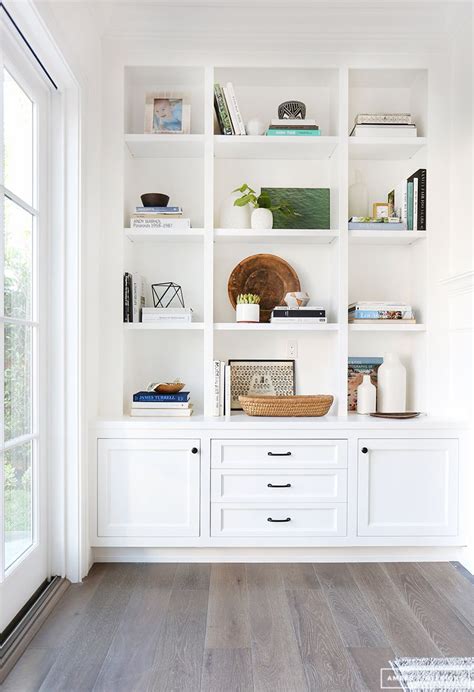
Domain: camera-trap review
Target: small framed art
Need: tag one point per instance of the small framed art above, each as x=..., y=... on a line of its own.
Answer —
x=261, y=378
x=380, y=210
x=166, y=114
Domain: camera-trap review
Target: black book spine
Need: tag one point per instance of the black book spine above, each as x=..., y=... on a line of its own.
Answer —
x=299, y=313
x=126, y=298
x=421, y=216
x=130, y=300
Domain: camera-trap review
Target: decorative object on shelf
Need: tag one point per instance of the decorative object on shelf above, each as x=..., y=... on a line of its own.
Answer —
x=358, y=196
x=261, y=378
x=366, y=396
x=307, y=314
x=166, y=114
x=164, y=294
x=295, y=406
x=397, y=416
x=292, y=109
x=255, y=127
x=262, y=215
x=368, y=223
x=380, y=210
x=267, y=276
x=154, y=199
x=356, y=369
x=228, y=114
x=392, y=384
x=296, y=299
x=293, y=127
x=234, y=216
x=167, y=315
x=167, y=387
x=310, y=207
x=383, y=125
x=368, y=312
x=247, y=308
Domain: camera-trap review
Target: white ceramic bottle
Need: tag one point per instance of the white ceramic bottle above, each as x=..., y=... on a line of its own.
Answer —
x=366, y=396
x=391, y=385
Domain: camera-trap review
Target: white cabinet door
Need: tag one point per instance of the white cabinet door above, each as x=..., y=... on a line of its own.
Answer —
x=408, y=487
x=148, y=487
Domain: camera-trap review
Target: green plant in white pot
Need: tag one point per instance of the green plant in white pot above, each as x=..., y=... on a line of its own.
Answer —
x=247, y=308
x=262, y=214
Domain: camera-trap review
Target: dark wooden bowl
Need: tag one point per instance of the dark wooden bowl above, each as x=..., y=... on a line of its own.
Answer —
x=155, y=199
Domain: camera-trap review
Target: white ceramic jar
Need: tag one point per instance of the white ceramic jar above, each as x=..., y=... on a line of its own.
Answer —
x=247, y=312
x=366, y=396
x=391, y=385
x=261, y=219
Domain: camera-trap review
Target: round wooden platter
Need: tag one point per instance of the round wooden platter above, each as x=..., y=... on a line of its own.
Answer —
x=268, y=276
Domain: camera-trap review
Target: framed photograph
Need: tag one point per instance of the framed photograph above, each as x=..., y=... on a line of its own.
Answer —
x=380, y=210
x=166, y=114
x=261, y=378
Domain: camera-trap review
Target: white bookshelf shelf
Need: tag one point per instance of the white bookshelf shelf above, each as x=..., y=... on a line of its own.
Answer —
x=262, y=147
x=165, y=235
x=385, y=148
x=386, y=237
x=313, y=236
x=268, y=327
x=165, y=146
x=167, y=326
x=385, y=327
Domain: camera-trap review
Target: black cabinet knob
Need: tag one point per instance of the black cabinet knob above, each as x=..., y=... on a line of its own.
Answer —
x=364, y=450
x=194, y=450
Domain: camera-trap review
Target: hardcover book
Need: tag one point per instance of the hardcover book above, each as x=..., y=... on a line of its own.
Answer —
x=310, y=203
x=154, y=396
x=357, y=368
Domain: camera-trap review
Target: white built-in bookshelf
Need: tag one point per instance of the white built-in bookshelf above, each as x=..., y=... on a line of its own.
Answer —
x=334, y=265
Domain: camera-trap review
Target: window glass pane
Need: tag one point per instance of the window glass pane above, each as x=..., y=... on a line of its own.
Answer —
x=17, y=380
x=18, y=494
x=18, y=251
x=18, y=128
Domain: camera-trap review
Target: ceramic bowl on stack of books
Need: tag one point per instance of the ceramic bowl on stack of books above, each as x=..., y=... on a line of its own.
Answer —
x=165, y=399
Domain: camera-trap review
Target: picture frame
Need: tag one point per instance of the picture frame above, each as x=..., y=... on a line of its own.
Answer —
x=380, y=210
x=167, y=113
x=260, y=377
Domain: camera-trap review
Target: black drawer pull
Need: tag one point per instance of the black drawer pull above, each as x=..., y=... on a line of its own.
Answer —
x=364, y=450
x=279, y=520
x=194, y=450
x=271, y=485
x=279, y=454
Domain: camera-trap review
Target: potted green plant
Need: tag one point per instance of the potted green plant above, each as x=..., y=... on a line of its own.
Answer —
x=247, y=308
x=262, y=214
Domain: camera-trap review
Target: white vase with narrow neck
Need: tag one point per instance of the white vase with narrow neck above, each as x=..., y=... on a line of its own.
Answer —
x=391, y=385
x=366, y=396
x=358, y=197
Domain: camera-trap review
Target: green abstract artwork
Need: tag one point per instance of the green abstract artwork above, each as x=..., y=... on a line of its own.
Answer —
x=310, y=203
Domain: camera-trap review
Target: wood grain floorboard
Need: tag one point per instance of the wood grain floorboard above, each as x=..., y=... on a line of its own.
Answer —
x=443, y=626
x=298, y=576
x=455, y=588
x=227, y=670
x=79, y=662
x=326, y=663
x=30, y=671
x=370, y=661
x=132, y=650
x=404, y=633
x=276, y=660
x=356, y=622
x=192, y=576
x=228, y=623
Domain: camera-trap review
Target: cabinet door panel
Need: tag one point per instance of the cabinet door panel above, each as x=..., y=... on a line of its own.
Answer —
x=408, y=488
x=148, y=488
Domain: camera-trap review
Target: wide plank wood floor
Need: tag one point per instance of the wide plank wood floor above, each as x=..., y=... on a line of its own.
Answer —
x=238, y=627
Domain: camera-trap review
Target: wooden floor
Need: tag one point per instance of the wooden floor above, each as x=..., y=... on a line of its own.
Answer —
x=227, y=627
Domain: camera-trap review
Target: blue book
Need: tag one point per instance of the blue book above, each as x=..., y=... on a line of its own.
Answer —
x=154, y=396
x=158, y=210
x=410, y=205
x=376, y=226
x=379, y=314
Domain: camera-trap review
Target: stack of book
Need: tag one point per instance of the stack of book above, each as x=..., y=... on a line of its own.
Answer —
x=370, y=223
x=368, y=312
x=293, y=127
x=146, y=403
x=221, y=390
x=133, y=297
x=228, y=114
x=383, y=125
x=166, y=315
x=153, y=218
x=310, y=314
x=408, y=201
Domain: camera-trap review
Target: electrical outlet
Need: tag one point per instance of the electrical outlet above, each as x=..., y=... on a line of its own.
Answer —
x=292, y=349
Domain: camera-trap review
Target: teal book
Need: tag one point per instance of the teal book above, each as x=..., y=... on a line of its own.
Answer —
x=293, y=133
x=410, y=205
x=312, y=204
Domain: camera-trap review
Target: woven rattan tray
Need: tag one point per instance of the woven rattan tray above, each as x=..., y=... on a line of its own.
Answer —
x=317, y=405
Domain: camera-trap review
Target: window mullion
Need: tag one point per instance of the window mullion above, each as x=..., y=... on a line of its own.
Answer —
x=21, y=203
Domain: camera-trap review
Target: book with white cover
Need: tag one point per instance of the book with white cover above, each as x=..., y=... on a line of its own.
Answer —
x=235, y=105
x=227, y=386
x=162, y=413
x=167, y=311
x=154, y=224
x=384, y=131
x=232, y=113
x=383, y=118
x=293, y=121
x=299, y=320
x=161, y=404
x=216, y=388
x=168, y=318
x=138, y=296
x=221, y=387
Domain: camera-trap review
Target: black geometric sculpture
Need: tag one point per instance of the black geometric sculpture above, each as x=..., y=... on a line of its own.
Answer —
x=166, y=293
x=292, y=109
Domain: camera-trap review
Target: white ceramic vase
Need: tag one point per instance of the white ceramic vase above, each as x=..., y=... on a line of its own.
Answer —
x=247, y=312
x=262, y=219
x=232, y=216
x=296, y=299
x=366, y=396
x=391, y=385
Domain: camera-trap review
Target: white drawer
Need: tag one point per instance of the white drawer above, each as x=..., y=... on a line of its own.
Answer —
x=282, y=519
x=279, y=453
x=242, y=485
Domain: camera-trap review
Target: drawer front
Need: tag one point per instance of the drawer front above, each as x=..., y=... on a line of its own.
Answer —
x=279, y=454
x=283, y=519
x=241, y=485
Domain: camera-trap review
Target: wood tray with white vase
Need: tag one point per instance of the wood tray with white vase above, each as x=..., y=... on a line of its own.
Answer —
x=295, y=406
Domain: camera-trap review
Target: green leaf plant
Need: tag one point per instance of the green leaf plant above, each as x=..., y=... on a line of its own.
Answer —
x=248, y=299
x=261, y=201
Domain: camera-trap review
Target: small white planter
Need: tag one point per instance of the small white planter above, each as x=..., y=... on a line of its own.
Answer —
x=366, y=396
x=262, y=219
x=247, y=312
